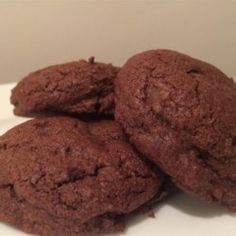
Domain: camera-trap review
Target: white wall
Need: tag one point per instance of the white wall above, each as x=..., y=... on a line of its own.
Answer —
x=37, y=33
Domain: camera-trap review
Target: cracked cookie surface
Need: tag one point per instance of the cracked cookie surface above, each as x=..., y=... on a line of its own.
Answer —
x=75, y=87
x=61, y=176
x=181, y=113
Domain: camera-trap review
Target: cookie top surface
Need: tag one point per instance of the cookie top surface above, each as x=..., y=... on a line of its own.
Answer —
x=75, y=87
x=75, y=170
x=181, y=113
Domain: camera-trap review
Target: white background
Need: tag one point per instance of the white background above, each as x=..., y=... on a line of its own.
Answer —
x=35, y=34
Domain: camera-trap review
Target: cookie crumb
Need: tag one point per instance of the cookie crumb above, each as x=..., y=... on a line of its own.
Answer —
x=152, y=215
x=91, y=60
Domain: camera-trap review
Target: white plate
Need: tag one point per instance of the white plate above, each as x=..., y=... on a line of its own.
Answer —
x=178, y=216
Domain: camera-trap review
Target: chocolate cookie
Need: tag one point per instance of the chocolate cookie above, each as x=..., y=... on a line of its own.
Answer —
x=181, y=113
x=75, y=87
x=61, y=176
